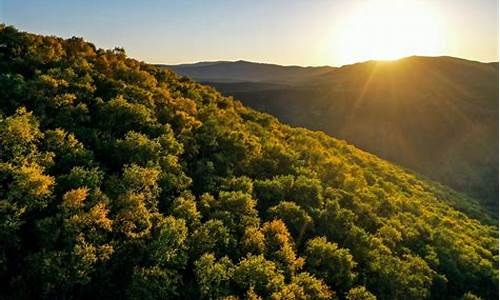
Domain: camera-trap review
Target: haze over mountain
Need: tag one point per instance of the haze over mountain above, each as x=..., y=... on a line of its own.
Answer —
x=435, y=115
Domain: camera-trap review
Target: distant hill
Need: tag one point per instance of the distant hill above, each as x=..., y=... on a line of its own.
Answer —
x=436, y=115
x=244, y=71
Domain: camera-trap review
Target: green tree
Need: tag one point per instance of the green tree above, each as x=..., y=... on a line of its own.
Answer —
x=212, y=236
x=331, y=263
x=296, y=219
x=360, y=293
x=214, y=276
x=260, y=274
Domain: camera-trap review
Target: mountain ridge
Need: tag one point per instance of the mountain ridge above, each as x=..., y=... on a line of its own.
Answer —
x=210, y=64
x=257, y=72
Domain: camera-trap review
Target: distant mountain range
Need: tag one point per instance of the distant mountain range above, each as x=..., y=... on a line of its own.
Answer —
x=244, y=71
x=436, y=115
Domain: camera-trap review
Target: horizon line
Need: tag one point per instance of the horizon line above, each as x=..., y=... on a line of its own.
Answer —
x=318, y=66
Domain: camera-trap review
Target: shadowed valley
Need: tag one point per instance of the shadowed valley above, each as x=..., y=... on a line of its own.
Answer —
x=435, y=115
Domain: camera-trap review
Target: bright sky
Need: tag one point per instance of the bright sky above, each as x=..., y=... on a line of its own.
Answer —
x=288, y=32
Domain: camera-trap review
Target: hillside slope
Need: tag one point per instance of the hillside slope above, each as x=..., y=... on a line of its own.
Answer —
x=435, y=115
x=121, y=180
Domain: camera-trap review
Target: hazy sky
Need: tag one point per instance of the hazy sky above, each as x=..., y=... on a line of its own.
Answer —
x=299, y=32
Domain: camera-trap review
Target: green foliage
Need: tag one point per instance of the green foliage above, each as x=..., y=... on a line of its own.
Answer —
x=310, y=287
x=327, y=261
x=260, y=274
x=153, y=283
x=359, y=293
x=122, y=180
x=212, y=236
x=214, y=277
x=296, y=219
x=470, y=296
x=168, y=245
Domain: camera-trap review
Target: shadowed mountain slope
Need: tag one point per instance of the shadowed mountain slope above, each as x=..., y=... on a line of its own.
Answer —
x=435, y=115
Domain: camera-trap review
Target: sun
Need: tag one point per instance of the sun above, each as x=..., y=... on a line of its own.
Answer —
x=387, y=30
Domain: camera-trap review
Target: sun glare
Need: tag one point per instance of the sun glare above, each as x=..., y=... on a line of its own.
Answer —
x=387, y=30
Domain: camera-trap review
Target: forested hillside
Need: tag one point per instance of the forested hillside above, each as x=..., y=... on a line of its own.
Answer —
x=435, y=115
x=122, y=180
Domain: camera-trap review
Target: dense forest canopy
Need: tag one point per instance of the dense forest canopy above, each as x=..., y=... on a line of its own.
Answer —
x=434, y=115
x=122, y=180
